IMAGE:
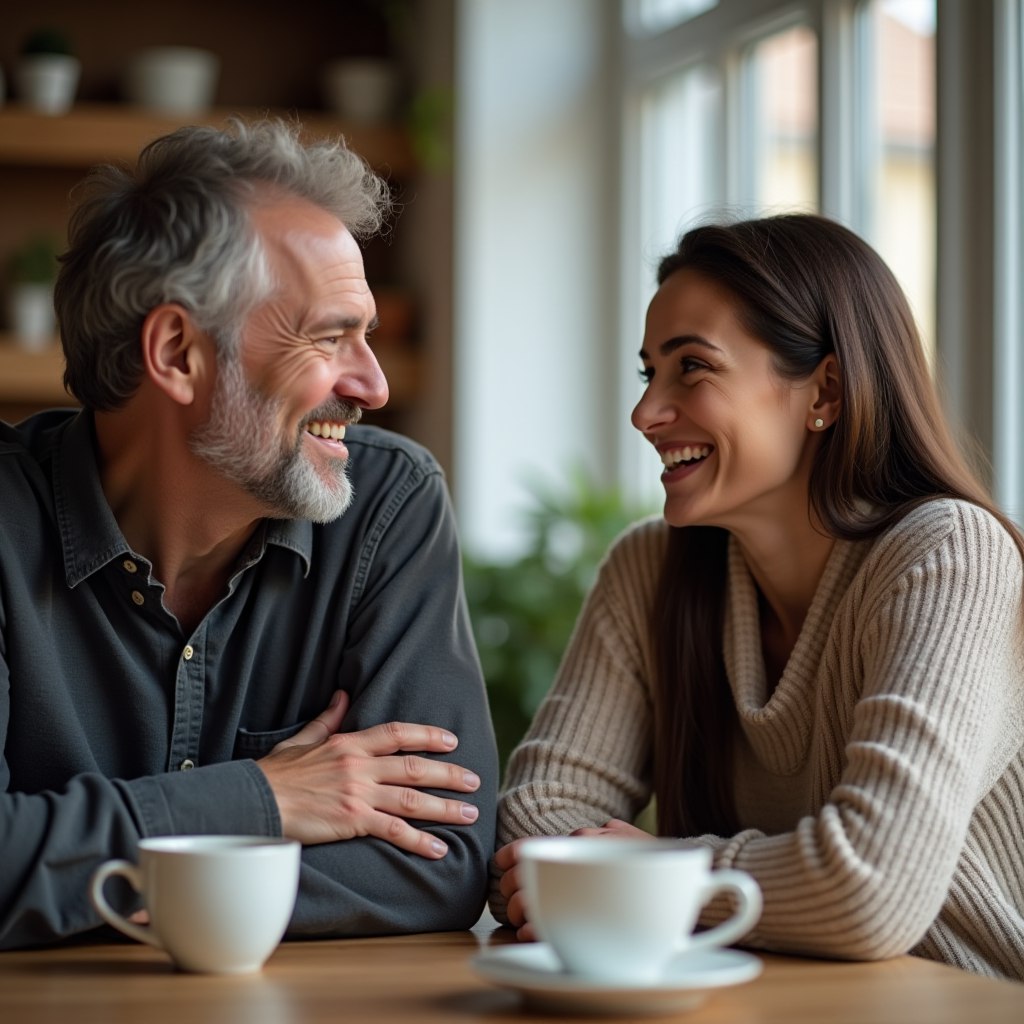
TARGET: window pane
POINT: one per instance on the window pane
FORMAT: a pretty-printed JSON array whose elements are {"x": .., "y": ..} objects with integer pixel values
[
  {"x": 681, "y": 175},
  {"x": 900, "y": 214},
  {"x": 657, "y": 15},
  {"x": 779, "y": 166},
  {"x": 680, "y": 180}
]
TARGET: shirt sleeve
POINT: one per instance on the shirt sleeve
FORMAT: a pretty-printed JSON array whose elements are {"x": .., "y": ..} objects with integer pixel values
[
  {"x": 410, "y": 657},
  {"x": 51, "y": 842}
]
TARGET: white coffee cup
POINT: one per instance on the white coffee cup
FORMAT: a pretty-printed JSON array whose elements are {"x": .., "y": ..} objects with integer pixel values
[
  {"x": 217, "y": 904},
  {"x": 619, "y": 910}
]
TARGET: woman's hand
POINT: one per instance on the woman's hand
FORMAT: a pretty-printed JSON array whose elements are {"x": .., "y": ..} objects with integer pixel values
[
  {"x": 506, "y": 860},
  {"x": 616, "y": 827}
]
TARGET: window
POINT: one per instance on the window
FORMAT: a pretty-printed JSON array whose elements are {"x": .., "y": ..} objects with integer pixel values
[
  {"x": 724, "y": 117},
  {"x": 631, "y": 125},
  {"x": 681, "y": 169},
  {"x": 779, "y": 171}
]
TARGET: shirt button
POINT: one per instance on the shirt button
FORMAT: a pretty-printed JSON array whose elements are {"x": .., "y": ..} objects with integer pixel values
[
  {"x": 129, "y": 566},
  {"x": 188, "y": 652},
  {"x": 187, "y": 764},
  {"x": 138, "y": 598}
]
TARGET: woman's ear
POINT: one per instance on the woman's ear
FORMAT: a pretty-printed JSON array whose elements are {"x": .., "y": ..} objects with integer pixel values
[
  {"x": 175, "y": 353},
  {"x": 827, "y": 392}
]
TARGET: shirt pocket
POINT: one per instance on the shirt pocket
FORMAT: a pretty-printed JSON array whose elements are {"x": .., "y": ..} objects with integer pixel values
[{"x": 259, "y": 744}]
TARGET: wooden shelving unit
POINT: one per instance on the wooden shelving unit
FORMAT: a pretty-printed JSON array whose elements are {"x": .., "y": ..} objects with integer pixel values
[
  {"x": 270, "y": 65},
  {"x": 101, "y": 132}
]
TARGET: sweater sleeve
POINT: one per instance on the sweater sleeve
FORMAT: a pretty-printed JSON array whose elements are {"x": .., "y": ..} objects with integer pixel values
[
  {"x": 586, "y": 756},
  {"x": 937, "y": 654}
]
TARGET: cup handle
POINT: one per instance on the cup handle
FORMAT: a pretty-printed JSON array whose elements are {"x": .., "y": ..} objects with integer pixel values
[
  {"x": 749, "y": 893},
  {"x": 107, "y": 912}
]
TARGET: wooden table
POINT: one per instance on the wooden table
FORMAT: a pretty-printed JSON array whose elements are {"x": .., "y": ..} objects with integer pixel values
[{"x": 427, "y": 978}]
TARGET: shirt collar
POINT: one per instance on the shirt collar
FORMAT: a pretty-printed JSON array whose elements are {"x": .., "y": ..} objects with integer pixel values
[
  {"x": 89, "y": 533},
  {"x": 293, "y": 534}
]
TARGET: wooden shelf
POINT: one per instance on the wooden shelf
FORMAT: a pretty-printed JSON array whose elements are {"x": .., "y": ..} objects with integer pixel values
[
  {"x": 36, "y": 377},
  {"x": 97, "y": 132},
  {"x": 32, "y": 376}
]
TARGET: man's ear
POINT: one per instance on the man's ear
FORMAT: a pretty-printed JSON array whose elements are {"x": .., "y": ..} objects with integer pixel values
[
  {"x": 175, "y": 353},
  {"x": 827, "y": 389}
]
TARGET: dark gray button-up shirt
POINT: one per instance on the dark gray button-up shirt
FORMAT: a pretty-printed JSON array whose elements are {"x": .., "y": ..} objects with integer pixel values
[{"x": 115, "y": 725}]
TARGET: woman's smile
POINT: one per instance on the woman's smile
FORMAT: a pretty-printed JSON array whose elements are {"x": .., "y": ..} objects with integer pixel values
[{"x": 680, "y": 460}]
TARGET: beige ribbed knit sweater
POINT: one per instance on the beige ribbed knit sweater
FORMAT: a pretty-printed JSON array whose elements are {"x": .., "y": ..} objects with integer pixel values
[{"x": 880, "y": 786}]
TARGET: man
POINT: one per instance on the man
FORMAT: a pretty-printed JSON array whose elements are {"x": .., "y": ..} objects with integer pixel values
[{"x": 224, "y": 608}]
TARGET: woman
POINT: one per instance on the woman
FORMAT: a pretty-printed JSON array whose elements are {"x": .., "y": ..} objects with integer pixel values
[{"x": 815, "y": 661}]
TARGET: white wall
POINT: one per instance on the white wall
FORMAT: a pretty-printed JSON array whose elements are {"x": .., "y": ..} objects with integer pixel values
[{"x": 535, "y": 255}]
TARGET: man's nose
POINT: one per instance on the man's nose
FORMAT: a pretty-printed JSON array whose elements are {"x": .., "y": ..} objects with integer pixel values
[{"x": 361, "y": 380}]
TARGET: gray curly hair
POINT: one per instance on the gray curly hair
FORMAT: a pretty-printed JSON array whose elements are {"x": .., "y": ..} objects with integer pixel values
[{"x": 176, "y": 228}]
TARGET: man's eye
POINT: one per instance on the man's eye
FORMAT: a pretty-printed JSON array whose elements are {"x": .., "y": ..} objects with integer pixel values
[{"x": 327, "y": 344}]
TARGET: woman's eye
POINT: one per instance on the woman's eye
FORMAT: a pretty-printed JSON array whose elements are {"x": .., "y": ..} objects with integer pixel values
[
  {"x": 688, "y": 364},
  {"x": 646, "y": 374}
]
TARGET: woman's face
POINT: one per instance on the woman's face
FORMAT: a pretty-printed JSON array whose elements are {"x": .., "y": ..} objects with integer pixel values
[{"x": 734, "y": 437}]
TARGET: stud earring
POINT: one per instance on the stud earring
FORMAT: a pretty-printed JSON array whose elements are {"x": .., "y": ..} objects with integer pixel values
[{"x": 819, "y": 423}]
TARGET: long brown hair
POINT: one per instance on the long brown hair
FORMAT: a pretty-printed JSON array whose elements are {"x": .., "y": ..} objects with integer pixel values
[{"x": 806, "y": 287}]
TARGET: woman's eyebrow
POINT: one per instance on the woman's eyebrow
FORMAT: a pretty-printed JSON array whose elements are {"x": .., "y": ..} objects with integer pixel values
[{"x": 666, "y": 348}]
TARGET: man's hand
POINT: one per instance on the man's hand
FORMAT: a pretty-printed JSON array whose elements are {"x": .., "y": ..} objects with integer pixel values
[{"x": 332, "y": 785}]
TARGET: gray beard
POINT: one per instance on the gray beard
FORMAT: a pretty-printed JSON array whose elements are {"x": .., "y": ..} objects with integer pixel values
[{"x": 240, "y": 441}]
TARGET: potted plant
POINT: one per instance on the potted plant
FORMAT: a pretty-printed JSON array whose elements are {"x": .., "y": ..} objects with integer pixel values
[
  {"x": 523, "y": 611},
  {"x": 46, "y": 74},
  {"x": 172, "y": 79},
  {"x": 31, "y": 274}
]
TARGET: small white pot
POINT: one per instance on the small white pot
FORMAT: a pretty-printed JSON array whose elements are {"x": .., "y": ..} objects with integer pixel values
[
  {"x": 47, "y": 82},
  {"x": 172, "y": 79},
  {"x": 364, "y": 89},
  {"x": 30, "y": 315}
]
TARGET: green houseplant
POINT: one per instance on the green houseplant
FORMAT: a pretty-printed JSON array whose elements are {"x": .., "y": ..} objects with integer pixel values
[
  {"x": 523, "y": 611},
  {"x": 34, "y": 261}
]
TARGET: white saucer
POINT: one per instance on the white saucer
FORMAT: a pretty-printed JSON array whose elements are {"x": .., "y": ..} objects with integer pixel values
[{"x": 533, "y": 970}]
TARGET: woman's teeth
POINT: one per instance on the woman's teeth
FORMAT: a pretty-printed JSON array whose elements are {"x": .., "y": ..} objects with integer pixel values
[
  {"x": 334, "y": 431},
  {"x": 691, "y": 453}
]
